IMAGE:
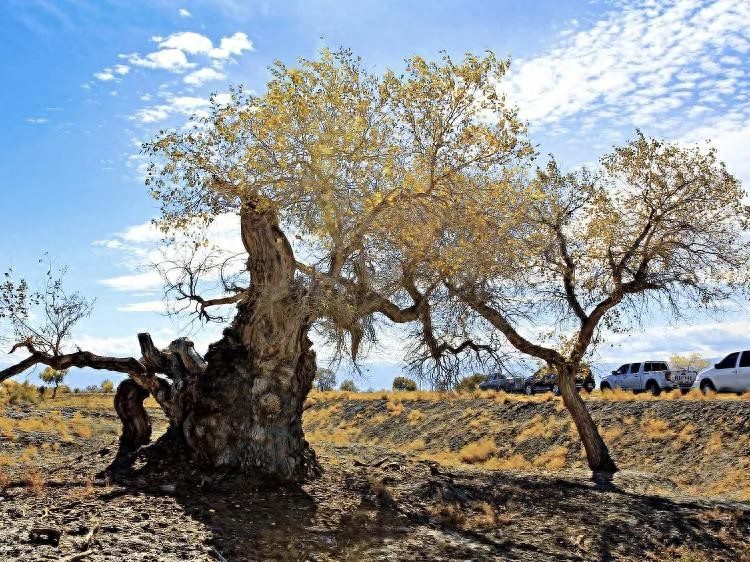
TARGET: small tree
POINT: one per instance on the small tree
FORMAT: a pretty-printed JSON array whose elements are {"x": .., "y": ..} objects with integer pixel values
[
  {"x": 53, "y": 377},
  {"x": 689, "y": 361},
  {"x": 470, "y": 383},
  {"x": 404, "y": 383},
  {"x": 325, "y": 380},
  {"x": 108, "y": 386},
  {"x": 659, "y": 225},
  {"x": 348, "y": 386}
]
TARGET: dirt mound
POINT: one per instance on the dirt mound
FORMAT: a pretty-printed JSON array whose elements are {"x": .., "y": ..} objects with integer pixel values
[{"x": 701, "y": 446}]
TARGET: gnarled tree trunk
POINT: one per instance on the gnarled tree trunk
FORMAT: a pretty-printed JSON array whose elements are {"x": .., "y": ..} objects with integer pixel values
[
  {"x": 597, "y": 452},
  {"x": 241, "y": 407}
]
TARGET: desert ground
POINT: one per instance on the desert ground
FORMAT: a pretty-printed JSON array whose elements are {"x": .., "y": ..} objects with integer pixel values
[{"x": 406, "y": 476}]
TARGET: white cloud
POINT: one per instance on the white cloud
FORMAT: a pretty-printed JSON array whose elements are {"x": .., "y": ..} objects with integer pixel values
[
  {"x": 135, "y": 282},
  {"x": 182, "y": 105},
  {"x": 104, "y": 75},
  {"x": 173, "y": 60},
  {"x": 200, "y": 77},
  {"x": 187, "y": 41},
  {"x": 232, "y": 45},
  {"x": 183, "y": 13},
  {"x": 121, "y": 69},
  {"x": 730, "y": 134},
  {"x": 37, "y": 120},
  {"x": 631, "y": 62}
]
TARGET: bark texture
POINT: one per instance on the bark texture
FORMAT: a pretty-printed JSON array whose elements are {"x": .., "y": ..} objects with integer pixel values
[
  {"x": 597, "y": 453},
  {"x": 136, "y": 423},
  {"x": 240, "y": 408}
]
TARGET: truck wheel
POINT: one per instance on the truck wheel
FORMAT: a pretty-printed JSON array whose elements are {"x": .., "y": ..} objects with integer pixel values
[
  {"x": 653, "y": 388},
  {"x": 706, "y": 386},
  {"x": 605, "y": 386},
  {"x": 528, "y": 390}
]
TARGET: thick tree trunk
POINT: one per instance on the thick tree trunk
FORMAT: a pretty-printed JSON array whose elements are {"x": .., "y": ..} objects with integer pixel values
[
  {"x": 241, "y": 408},
  {"x": 597, "y": 452},
  {"x": 136, "y": 424}
]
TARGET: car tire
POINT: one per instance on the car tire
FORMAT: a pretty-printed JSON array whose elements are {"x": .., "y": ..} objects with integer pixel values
[
  {"x": 528, "y": 390},
  {"x": 653, "y": 388},
  {"x": 555, "y": 390},
  {"x": 707, "y": 385},
  {"x": 605, "y": 386}
]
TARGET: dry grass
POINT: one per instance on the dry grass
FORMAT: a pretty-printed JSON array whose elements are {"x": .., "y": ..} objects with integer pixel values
[
  {"x": 414, "y": 416},
  {"x": 714, "y": 443},
  {"x": 34, "y": 481},
  {"x": 539, "y": 427},
  {"x": 553, "y": 459},
  {"x": 687, "y": 433},
  {"x": 395, "y": 408},
  {"x": 514, "y": 462},
  {"x": 656, "y": 429},
  {"x": 611, "y": 434},
  {"x": 478, "y": 451}
]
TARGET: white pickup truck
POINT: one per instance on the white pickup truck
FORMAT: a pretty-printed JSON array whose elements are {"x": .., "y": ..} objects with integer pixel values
[{"x": 651, "y": 376}]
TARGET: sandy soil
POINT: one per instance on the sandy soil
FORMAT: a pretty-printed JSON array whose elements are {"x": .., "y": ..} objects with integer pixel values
[{"x": 372, "y": 503}]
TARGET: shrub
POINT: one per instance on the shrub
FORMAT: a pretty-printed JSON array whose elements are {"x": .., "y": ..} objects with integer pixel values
[
  {"x": 404, "y": 383},
  {"x": 108, "y": 386},
  {"x": 478, "y": 451},
  {"x": 14, "y": 393},
  {"x": 348, "y": 386},
  {"x": 470, "y": 383}
]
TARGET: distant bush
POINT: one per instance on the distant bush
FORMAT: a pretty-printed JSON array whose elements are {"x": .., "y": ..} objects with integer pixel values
[
  {"x": 12, "y": 392},
  {"x": 91, "y": 388},
  {"x": 325, "y": 380},
  {"x": 348, "y": 386},
  {"x": 404, "y": 383},
  {"x": 53, "y": 377},
  {"x": 108, "y": 386},
  {"x": 470, "y": 383}
]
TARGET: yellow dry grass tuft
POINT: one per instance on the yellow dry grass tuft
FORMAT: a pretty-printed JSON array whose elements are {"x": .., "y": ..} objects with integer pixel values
[
  {"x": 394, "y": 408},
  {"x": 553, "y": 459},
  {"x": 656, "y": 428},
  {"x": 611, "y": 434},
  {"x": 687, "y": 433},
  {"x": 514, "y": 462},
  {"x": 4, "y": 480},
  {"x": 478, "y": 451},
  {"x": 414, "y": 416},
  {"x": 539, "y": 427}
]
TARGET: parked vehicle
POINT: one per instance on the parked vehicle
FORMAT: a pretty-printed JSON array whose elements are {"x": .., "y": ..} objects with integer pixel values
[
  {"x": 498, "y": 381},
  {"x": 545, "y": 380},
  {"x": 731, "y": 374},
  {"x": 651, "y": 376}
]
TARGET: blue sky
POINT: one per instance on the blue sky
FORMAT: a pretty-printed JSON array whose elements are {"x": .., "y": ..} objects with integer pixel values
[{"x": 85, "y": 82}]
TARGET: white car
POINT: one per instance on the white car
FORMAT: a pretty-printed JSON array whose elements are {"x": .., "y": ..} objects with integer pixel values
[
  {"x": 652, "y": 376},
  {"x": 731, "y": 374}
]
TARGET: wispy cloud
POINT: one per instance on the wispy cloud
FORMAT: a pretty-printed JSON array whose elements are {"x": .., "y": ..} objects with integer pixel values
[
  {"x": 183, "y": 13},
  {"x": 640, "y": 62},
  {"x": 37, "y": 120}
]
